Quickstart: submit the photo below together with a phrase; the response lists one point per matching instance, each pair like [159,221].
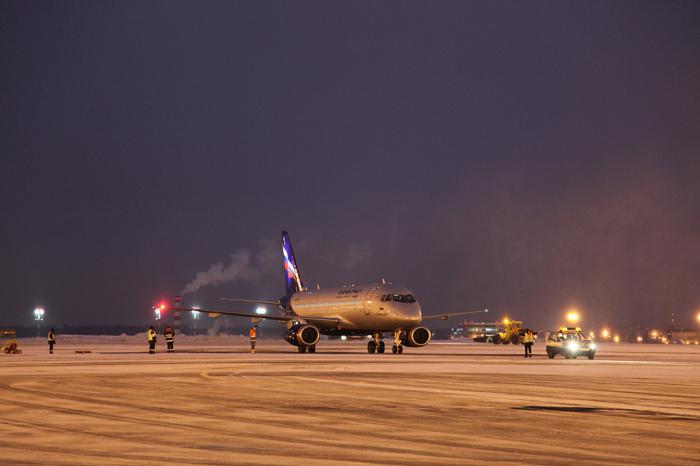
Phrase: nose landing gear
[397,348]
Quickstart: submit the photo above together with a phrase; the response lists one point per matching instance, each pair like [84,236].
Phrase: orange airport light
[573,316]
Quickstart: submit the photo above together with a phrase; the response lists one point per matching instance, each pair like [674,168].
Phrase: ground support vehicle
[571,343]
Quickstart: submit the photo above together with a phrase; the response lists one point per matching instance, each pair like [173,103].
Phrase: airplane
[349,310]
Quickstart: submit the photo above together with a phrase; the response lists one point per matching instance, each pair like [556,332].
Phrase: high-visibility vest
[529,338]
[252,333]
[51,337]
[151,335]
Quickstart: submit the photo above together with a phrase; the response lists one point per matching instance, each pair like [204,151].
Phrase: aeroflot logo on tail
[292,273]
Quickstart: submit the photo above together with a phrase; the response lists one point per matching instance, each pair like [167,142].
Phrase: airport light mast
[195,316]
[38,316]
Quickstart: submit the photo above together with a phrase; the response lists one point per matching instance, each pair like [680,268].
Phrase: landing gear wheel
[371,346]
[312,349]
[380,348]
[301,348]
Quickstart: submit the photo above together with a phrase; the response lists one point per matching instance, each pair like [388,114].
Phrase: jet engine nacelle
[303,334]
[417,336]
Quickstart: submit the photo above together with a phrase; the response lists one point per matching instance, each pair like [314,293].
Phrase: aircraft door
[369,301]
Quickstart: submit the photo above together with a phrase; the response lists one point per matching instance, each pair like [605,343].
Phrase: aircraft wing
[251,301]
[253,315]
[453,314]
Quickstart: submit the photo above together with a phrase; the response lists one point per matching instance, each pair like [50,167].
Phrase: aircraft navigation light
[261,311]
[572,316]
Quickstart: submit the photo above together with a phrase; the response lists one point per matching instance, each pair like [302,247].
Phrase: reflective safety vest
[252,333]
[151,335]
[169,335]
[51,337]
[529,338]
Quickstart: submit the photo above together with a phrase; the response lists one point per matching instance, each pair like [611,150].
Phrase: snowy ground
[450,403]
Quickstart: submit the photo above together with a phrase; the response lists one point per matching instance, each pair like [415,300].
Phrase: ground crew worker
[528,341]
[169,338]
[253,335]
[151,340]
[52,340]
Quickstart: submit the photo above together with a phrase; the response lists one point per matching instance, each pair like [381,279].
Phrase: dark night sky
[520,156]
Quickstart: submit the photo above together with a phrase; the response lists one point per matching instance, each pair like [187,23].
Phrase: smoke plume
[244,265]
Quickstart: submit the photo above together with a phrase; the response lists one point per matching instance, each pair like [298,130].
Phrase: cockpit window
[398,298]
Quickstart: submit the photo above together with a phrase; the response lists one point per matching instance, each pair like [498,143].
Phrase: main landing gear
[376,345]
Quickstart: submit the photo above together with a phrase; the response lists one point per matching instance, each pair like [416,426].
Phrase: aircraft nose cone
[411,313]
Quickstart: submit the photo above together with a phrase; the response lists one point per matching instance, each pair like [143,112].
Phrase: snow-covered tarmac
[449,403]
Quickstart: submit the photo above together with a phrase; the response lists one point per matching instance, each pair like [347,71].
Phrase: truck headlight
[592,346]
[572,346]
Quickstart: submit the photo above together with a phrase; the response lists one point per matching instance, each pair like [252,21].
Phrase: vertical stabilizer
[292,276]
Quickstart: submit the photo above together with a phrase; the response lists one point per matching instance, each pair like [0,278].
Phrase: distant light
[343,337]
[195,314]
[640,339]
[261,311]
[654,334]
[592,334]
[39,313]
[606,333]
[616,338]
[486,310]
[506,320]
[572,316]
[157,314]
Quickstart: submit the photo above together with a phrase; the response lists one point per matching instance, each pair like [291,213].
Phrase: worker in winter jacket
[151,340]
[51,339]
[169,338]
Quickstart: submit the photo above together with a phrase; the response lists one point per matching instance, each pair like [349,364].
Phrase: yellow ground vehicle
[511,333]
[570,342]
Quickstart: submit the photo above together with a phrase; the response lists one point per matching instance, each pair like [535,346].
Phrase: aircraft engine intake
[417,336]
[303,334]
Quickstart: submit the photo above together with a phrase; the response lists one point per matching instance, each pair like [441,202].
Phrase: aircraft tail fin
[292,276]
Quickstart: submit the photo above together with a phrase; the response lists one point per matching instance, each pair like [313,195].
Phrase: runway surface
[449,403]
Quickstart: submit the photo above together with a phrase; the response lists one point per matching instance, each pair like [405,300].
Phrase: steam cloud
[243,266]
